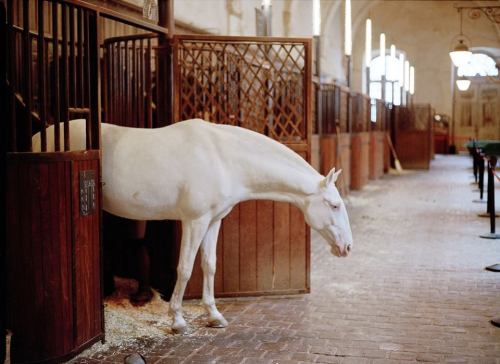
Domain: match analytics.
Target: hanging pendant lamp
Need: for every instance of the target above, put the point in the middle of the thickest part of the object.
(463, 83)
(460, 54)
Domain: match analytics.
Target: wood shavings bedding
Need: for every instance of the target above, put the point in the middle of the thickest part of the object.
(128, 326)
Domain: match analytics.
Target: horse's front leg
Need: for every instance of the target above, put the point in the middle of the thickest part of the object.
(192, 235)
(208, 264)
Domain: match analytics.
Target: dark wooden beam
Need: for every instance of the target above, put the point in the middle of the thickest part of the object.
(3, 145)
(165, 65)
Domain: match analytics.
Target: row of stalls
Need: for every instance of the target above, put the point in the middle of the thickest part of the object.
(84, 59)
(69, 59)
(363, 136)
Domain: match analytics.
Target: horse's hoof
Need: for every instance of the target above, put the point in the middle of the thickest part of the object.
(217, 323)
(180, 330)
(141, 298)
(134, 358)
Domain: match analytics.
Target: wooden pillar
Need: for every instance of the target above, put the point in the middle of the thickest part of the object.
(165, 64)
(3, 145)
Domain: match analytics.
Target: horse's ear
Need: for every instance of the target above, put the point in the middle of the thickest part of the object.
(332, 176)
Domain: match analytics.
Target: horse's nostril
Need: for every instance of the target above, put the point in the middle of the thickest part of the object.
(348, 248)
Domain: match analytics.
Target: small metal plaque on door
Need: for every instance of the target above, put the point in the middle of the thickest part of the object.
(87, 192)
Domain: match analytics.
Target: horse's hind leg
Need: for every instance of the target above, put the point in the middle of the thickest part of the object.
(192, 235)
(208, 264)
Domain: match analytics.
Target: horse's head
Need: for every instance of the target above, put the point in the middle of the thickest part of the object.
(325, 212)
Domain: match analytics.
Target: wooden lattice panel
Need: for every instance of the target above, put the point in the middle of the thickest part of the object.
(250, 82)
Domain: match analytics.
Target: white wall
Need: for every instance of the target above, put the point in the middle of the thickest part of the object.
(291, 18)
(424, 30)
(333, 61)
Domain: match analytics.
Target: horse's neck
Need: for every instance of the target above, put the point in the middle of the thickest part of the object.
(281, 177)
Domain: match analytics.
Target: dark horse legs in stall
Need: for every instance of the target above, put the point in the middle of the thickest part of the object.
(126, 254)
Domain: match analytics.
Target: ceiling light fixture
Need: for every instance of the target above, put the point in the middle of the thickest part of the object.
(463, 83)
(460, 54)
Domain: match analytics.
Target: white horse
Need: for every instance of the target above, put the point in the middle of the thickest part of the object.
(196, 172)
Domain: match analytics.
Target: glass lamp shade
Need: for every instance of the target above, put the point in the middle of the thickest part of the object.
(460, 55)
(463, 84)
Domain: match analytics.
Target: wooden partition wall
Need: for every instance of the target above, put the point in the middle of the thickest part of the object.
(53, 253)
(263, 84)
(360, 139)
(378, 141)
(334, 132)
(413, 135)
(54, 67)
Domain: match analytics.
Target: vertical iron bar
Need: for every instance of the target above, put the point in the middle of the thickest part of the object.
(64, 74)
(141, 84)
(492, 161)
(55, 78)
(149, 115)
(113, 91)
(474, 162)
(481, 177)
(79, 61)
(134, 86)
(27, 74)
(119, 97)
(4, 144)
(127, 84)
(106, 76)
(86, 81)
(94, 78)
(112, 84)
(72, 68)
(11, 70)
(42, 102)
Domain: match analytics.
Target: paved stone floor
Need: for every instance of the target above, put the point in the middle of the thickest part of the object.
(413, 290)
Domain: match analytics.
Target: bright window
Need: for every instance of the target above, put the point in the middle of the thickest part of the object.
(479, 65)
(393, 81)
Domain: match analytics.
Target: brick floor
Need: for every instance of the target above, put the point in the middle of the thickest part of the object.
(413, 290)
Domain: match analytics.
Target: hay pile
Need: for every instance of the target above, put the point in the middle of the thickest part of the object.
(128, 326)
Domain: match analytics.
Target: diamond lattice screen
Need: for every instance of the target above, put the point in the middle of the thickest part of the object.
(256, 85)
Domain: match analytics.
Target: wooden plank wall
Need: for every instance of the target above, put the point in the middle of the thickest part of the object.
(263, 248)
(344, 181)
(54, 293)
(413, 149)
(377, 145)
(336, 152)
(315, 152)
(360, 162)
(387, 154)
(414, 138)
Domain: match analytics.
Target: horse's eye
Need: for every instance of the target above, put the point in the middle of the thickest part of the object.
(334, 205)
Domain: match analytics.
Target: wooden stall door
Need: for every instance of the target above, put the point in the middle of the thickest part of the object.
(53, 281)
(414, 136)
(262, 84)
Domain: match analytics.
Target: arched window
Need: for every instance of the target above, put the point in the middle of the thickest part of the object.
(479, 65)
(393, 80)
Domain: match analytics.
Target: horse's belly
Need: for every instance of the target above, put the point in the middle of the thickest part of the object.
(165, 194)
